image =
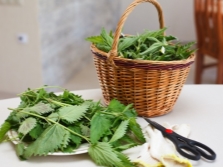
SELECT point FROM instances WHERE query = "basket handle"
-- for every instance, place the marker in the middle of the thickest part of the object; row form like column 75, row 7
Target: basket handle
column 114, row 49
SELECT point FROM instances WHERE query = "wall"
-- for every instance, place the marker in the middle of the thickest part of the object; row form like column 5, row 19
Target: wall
column 64, row 25
column 56, row 48
column 20, row 64
column 178, row 16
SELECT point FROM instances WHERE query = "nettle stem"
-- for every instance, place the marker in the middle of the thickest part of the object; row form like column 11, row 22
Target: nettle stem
column 57, row 102
column 43, row 87
column 107, row 113
column 54, row 122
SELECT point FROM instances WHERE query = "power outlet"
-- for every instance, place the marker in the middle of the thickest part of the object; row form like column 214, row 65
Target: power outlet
column 23, row 38
column 11, row 2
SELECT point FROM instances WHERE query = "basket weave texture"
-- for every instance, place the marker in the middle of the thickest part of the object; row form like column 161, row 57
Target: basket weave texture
column 152, row 86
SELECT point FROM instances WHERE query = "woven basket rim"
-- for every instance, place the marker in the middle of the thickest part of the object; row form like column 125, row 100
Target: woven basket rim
column 191, row 58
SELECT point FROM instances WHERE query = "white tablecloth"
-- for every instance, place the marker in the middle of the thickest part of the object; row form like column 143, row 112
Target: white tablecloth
column 200, row 106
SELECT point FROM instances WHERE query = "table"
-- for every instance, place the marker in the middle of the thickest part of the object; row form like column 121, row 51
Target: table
column 200, row 106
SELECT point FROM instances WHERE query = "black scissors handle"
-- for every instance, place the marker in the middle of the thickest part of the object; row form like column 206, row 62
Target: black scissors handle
column 188, row 152
column 204, row 150
column 190, row 149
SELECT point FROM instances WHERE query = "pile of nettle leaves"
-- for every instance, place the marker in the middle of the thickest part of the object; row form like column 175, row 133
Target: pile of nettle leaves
column 150, row 45
column 48, row 123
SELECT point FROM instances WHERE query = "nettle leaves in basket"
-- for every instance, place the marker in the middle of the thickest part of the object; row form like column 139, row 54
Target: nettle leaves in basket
column 150, row 45
column 47, row 123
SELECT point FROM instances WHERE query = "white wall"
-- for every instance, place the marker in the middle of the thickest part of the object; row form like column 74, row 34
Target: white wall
column 20, row 64
column 178, row 17
column 56, row 48
column 64, row 25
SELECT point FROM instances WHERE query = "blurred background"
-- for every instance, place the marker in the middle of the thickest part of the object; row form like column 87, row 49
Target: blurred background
column 42, row 42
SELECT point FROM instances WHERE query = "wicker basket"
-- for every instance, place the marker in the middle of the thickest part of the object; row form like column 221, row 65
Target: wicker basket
column 152, row 86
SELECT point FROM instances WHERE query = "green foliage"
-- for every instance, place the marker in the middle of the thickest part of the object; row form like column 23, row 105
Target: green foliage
column 96, row 39
column 65, row 141
column 48, row 141
column 106, row 37
column 40, row 108
column 48, row 123
column 85, row 130
column 4, row 129
column 99, row 125
column 53, row 116
column 136, row 130
column 103, row 42
column 13, row 119
column 150, row 45
column 127, row 42
column 27, row 125
column 103, row 154
column 36, row 131
column 72, row 113
column 76, row 140
column 124, row 159
column 116, row 107
column 120, row 132
column 20, row 150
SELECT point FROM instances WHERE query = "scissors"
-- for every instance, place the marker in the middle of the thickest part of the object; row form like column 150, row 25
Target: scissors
column 186, row 147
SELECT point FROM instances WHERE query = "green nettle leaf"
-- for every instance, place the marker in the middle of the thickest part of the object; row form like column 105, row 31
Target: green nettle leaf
column 103, row 154
column 153, row 39
column 128, row 107
column 4, row 129
column 125, row 160
column 95, row 39
column 13, row 118
column 120, row 132
column 85, row 130
column 126, row 42
column 125, row 147
column 153, row 48
column 116, row 106
column 130, row 113
column 99, row 125
column 68, row 149
column 158, row 33
column 74, row 138
column 46, row 142
column 127, row 140
column 170, row 38
column 66, row 139
column 20, row 150
column 40, row 108
column 36, row 132
column 72, row 113
column 148, row 34
column 27, row 125
column 41, row 93
column 111, row 34
column 103, row 47
column 136, row 129
column 22, row 115
column 107, row 38
column 53, row 116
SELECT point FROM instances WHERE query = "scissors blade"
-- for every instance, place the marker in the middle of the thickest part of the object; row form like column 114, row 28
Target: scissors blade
column 155, row 125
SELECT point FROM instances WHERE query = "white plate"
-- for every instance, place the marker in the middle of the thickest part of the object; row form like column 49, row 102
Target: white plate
column 81, row 150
